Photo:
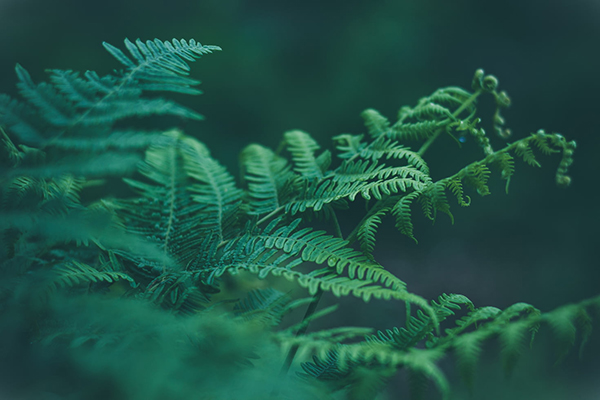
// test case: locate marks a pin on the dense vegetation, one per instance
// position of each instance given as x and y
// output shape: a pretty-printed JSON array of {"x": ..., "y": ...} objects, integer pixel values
[{"x": 121, "y": 245}]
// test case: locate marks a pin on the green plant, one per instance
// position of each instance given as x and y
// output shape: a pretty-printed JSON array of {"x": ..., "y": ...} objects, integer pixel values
[{"x": 112, "y": 294}]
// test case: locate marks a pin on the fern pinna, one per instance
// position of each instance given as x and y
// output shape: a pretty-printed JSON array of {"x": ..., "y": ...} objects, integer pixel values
[{"x": 122, "y": 279}]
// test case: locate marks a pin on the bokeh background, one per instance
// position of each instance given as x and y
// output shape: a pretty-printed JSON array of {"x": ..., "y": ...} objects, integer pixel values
[{"x": 315, "y": 65}]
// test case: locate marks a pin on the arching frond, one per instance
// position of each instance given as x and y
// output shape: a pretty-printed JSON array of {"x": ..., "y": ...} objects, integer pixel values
[
  {"x": 401, "y": 211},
  {"x": 376, "y": 124},
  {"x": 269, "y": 179},
  {"x": 303, "y": 148},
  {"x": 214, "y": 190}
]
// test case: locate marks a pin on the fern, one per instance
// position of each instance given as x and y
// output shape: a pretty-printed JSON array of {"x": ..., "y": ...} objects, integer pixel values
[
  {"x": 78, "y": 274},
  {"x": 157, "y": 273},
  {"x": 269, "y": 179},
  {"x": 368, "y": 229},
  {"x": 303, "y": 147},
  {"x": 78, "y": 112}
]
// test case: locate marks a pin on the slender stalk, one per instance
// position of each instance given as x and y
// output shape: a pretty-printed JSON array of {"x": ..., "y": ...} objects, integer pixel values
[
  {"x": 270, "y": 215},
  {"x": 312, "y": 307}
]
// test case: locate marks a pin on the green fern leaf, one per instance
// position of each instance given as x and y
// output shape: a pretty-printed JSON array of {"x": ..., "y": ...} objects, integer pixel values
[
  {"x": 303, "y": 147},
  {"x": 401, "y": 211},
  {"x": 269, "y": 179},
  {"x": 376, "y": 124},
  {"x": 368, "y": 229},
  {"x": 75, "y": 274},
  {"x": 523, "y": 150}
]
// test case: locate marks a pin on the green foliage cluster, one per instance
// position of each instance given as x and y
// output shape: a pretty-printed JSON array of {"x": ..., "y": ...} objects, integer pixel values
[{"x": 126, "y": 297}]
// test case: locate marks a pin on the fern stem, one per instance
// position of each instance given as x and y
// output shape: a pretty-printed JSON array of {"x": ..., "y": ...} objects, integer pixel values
[
  {"x": 270, "y": 215},
  {"x": 312, "y": 307},
  {"x": 456, "y": 113},
  {"x": 336, "y": 223}
]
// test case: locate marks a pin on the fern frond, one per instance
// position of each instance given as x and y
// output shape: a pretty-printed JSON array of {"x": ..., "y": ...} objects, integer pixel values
[
  {"x": 303, "y": 147},
  {"x": 477, "y": 176},
  {"x": 75, "y": 106},
  {"x": 176, "y": 292},
  {"x": 507, "y": 167},
  {"x": 269, "y": 179},
  {"x": 416, "y": 130},
  {"x": 391, "y": 186},
  {"x": 376, "y": 124},
  {"x": 166, "y": 213},
  {"x": 455, "y": 186},
  {"x": 421, "y": 326},
  {"x": 161, "y": 65},
  {"x": 349, "y": 146},
  {"x": 75, "y": 274},
  {"x": 523, "y": 150},
  {"x": 316, "y": 246},
  {"x": 468, "y": 351},
  {"x": 316, "y": 194},
  {"x": 369, "y": 181},
  {"x": 327, "y": 368},
  {"x": 401, "y": 211},
  {"x": 544, "y": 142},
  {"x": 512, "y": 338},
  {"x": 21, "y": 120},
  {"x": 451, "y": 96},
  {"x": 564, "y": 329},
  {"x": 367, "y": 230},
  {"x": 214, "y": 189},
  {"x": 279, "y": 251}
]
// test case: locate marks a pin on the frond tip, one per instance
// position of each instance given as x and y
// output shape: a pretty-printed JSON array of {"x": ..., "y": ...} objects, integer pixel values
[{"x": 156, "y": 58}]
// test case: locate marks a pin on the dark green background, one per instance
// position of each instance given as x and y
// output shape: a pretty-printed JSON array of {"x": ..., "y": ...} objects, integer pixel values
[{"x": 316, "y": 65}]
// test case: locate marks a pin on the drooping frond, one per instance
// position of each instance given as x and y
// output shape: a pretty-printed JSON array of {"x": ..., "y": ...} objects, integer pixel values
[
  {"x": 349, "y": 359},
  {"x": 421, "y": 326},
  {"x": 278, "y": 250},
  {"x": 401, "y": 211},
  {"x": 367, "y": 230},
  {"x": 432, "y": 196},
  {"x": 506, "y": 165}
]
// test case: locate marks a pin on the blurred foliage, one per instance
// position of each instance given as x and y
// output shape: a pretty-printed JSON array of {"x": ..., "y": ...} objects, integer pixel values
[{"x": 315, "y": 65}]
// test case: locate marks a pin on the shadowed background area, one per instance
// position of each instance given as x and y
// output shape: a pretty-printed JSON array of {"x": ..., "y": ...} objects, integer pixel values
[{"x": 316, "y": 65}]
